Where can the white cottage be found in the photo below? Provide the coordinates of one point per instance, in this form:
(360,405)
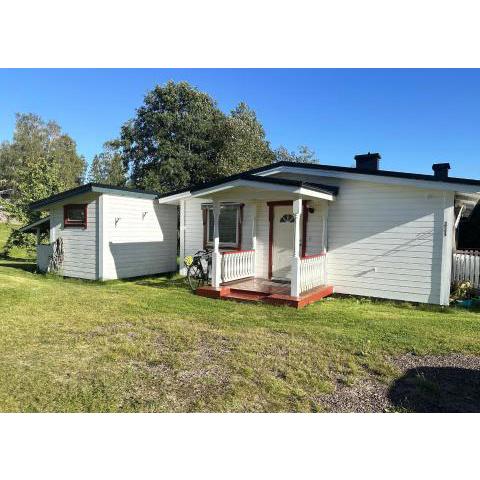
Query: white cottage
(285,233)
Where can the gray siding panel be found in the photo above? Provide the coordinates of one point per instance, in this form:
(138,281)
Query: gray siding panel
(80,245)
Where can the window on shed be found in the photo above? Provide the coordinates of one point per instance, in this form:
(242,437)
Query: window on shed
(75,215)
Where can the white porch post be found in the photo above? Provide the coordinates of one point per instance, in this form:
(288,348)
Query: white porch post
(253,211)
(295,284)
(216,256)
(183,269)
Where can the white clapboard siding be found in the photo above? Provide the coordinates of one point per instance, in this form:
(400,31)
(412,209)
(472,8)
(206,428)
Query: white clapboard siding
(262,235)
(312,272)
(466,267)
(193,225)
(316,238)
(377,232)
(236,265)
(139,237)
(79,244)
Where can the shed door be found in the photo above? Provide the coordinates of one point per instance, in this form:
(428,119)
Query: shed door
(282,246)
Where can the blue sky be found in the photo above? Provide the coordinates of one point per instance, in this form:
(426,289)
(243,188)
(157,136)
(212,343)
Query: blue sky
(412,117)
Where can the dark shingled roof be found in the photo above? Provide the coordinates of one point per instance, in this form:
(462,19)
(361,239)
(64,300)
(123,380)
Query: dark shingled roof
(89,187)
(251,173)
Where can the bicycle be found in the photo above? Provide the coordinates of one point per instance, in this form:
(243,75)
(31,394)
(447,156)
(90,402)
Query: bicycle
(198,268)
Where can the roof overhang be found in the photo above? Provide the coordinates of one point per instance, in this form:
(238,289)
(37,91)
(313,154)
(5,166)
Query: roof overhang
(174,198)
(43,225)
(385,177)
(247,186)
(91,188)
(300,190)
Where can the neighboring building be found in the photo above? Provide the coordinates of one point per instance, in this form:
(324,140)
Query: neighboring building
(301,230)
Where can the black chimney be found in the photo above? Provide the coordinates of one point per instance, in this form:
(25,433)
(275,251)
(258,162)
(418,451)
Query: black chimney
(368,161)
(440,170)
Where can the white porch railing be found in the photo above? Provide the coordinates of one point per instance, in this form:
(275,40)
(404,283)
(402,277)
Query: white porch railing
(239,264)
(466,267)
(44,253)
(312,271)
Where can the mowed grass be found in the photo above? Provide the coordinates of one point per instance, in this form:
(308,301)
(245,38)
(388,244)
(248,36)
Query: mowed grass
(17,253)
(150,345)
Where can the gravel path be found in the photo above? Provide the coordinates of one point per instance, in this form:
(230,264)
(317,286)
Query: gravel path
(431,383)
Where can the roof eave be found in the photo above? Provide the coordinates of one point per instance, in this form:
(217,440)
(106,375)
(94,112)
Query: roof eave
(35,225)
(300,190)
(48,202)
(453,184)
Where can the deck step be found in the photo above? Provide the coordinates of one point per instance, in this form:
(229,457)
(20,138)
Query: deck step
(244,295)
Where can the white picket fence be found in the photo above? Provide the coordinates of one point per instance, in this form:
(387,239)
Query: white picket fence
(466,267)
(312,271)
(236,265)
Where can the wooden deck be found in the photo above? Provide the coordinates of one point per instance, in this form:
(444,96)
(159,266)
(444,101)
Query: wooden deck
(263,290)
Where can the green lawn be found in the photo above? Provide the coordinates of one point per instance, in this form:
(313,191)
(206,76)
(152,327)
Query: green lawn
(16,253)
(151,345)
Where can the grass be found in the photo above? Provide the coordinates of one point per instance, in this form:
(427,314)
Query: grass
(151,345)
(16,253)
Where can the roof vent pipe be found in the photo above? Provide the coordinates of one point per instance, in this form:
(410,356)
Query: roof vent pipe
(440,170)
(368,161)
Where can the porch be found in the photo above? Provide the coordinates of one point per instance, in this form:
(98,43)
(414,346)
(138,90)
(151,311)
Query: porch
(283,224)
(263,290)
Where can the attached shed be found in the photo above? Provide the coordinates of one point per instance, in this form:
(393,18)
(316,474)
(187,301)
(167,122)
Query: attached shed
(110,232)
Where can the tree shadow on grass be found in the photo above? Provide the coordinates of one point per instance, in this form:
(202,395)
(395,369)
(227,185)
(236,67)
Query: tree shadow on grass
(19,264)
(437,389)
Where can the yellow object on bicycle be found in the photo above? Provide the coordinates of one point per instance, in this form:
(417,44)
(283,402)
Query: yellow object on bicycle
(188,260)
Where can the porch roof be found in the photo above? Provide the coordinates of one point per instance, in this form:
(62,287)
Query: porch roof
(43,224)
(249,185)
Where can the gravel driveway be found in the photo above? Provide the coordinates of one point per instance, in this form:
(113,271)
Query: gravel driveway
(431,383)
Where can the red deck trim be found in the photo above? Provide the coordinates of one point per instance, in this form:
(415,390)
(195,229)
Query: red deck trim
(67,223)
(230,293)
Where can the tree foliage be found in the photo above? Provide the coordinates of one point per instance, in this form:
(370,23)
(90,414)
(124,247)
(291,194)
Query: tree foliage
(245,144)
(180,137)
(304,155)
(107,167)
(44,161)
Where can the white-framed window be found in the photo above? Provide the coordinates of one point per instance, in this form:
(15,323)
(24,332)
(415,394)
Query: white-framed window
(229,225)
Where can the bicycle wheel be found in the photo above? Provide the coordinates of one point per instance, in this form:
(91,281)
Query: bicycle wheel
(195,276)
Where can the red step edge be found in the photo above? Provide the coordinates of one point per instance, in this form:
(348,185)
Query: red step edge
(274,299)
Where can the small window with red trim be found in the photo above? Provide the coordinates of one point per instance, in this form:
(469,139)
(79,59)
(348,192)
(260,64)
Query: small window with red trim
(230,229)
(75,215)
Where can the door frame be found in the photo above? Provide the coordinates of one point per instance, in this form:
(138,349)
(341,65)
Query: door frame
(271,216)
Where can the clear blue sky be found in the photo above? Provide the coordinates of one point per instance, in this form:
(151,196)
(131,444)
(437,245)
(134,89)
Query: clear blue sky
(412,117)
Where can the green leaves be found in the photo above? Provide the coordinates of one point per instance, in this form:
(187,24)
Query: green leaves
(107,167)
(180,137)
(43,161)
